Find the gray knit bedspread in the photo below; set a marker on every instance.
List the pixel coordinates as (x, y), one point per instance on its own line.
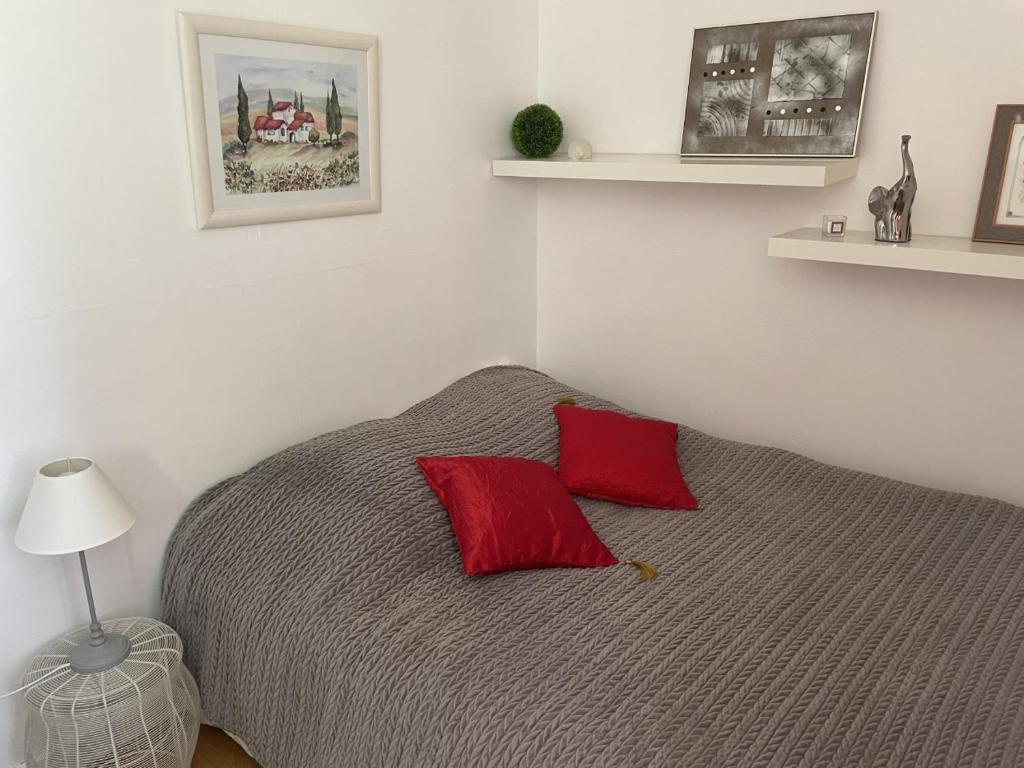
(806, 616)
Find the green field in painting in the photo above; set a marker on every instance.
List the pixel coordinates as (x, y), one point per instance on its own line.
(289, 166)
(265, 155)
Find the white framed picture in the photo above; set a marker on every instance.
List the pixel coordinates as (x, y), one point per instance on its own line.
(283, 122)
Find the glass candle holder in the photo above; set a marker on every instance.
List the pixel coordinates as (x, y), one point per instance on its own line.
(833, 226)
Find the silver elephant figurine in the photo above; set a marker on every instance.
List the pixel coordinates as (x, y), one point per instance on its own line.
(891, 207)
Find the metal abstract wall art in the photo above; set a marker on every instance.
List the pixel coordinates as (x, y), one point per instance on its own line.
(779, 88)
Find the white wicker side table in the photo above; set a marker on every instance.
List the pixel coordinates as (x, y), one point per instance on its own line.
(142, 712)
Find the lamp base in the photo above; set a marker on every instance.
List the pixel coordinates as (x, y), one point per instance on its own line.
(89, 659)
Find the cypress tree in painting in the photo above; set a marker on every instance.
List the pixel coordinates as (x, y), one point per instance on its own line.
(270, 104)
(244, 129)
(302, 105)
(333, 112)
(327, 116)
(295, 100)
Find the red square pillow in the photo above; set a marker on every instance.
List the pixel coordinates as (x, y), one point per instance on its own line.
(606, 455)
(512, 514)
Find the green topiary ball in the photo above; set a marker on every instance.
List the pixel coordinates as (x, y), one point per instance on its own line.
(537, 131)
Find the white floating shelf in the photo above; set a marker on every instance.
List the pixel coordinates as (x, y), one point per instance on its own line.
(958, 255)
(767, 171)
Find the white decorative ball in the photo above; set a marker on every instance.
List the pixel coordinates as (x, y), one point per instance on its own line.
(580, 149)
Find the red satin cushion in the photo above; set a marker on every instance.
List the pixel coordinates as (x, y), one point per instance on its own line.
(512, 514)
(606, 455)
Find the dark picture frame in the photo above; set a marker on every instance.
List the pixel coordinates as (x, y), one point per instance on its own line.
(780, 88)
(1001, 204)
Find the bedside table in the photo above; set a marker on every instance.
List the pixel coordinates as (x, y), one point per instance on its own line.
(142, 712)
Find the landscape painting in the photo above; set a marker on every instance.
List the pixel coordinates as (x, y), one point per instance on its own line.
(287, 126)
(283, 121)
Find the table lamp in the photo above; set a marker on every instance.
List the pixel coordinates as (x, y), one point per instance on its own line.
(73, 507)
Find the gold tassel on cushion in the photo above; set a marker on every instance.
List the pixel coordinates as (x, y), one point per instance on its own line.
(567, 400)
(647, 571)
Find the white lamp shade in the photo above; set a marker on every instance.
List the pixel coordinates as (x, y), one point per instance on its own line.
(72, 506)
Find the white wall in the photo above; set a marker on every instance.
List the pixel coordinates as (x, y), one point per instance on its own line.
(662, 297)
(177, 357)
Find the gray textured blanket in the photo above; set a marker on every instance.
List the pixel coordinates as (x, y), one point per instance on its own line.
(808, 616)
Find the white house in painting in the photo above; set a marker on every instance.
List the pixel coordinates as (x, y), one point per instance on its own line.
(300, 126)
(269, 129)
(283, 110)
(284, 124)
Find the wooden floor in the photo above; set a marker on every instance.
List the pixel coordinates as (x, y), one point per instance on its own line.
(217, 750)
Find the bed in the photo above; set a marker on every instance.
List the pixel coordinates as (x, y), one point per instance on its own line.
(806, 616)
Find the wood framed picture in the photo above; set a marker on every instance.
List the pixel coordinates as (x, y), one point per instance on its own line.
(779, 88)
(1001, 207)
(283, 122)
